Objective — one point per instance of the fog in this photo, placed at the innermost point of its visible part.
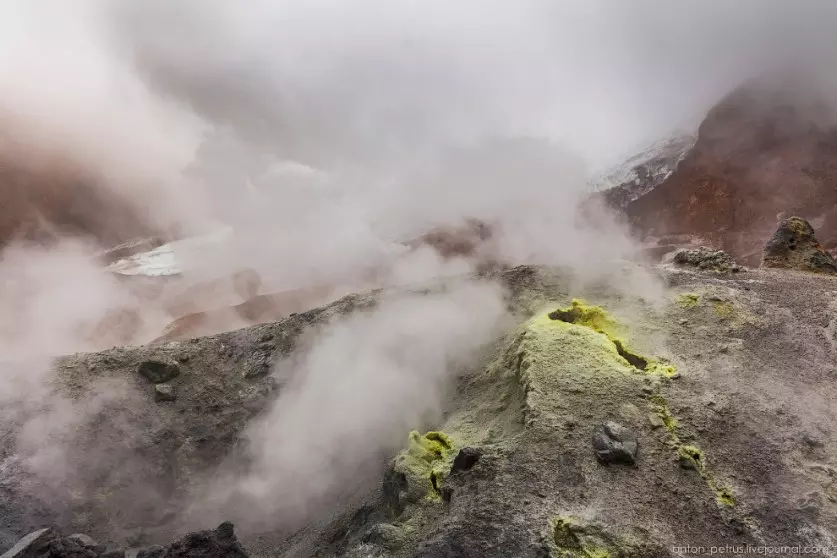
(326, 133)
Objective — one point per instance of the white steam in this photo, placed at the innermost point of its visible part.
(325, 133)
(351, 398)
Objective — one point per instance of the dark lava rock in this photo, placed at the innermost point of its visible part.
(613, 443)
(707, 259)
(26, 546)
(46, 543)
(155, 551)
(465, 459)
(218, 543)
(165, 392)
(395, 487)
(794, 246)
(158, 371)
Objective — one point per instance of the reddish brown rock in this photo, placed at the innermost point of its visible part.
(762, 153)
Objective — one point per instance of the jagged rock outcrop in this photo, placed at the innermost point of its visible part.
(762, 151)
(613, 443)
(794, 246)
(47, 543)
(707, 259)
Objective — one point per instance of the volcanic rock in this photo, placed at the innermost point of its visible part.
(760, 151)
(794, 246)
(28, 545)
(532, 401)
(613, 443)
(84, 540)
(218, 543)
(158, 371)
(706, 259)
(46, 543)
(165, 392)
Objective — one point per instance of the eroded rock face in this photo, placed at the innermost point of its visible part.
(47, 543)
(795, 246)
(216, 543)
(707, 259)
(759, 152)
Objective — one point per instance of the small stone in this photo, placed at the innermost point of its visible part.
(84, 540)
(165, 392)
(655, 420)
(613, 443)
(683, 321)
(465, 459)
(158, 371)
(113, 554)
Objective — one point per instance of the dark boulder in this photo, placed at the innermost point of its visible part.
(613, 443)
(218, 543)
(46, 543)
(795, 246)
(158, 371)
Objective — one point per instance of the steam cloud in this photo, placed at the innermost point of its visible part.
(350, 399)
(324, 132)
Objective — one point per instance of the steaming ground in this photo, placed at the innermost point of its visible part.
(325, 137)
(297, 457)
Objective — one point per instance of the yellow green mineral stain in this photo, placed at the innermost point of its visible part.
(688, 300)
(596, 318)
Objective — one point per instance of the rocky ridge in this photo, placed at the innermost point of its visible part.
(763, 152)
(717, 397)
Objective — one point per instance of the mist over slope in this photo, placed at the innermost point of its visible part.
(326, 135)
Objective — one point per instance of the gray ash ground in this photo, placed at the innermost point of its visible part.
(754, 396)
